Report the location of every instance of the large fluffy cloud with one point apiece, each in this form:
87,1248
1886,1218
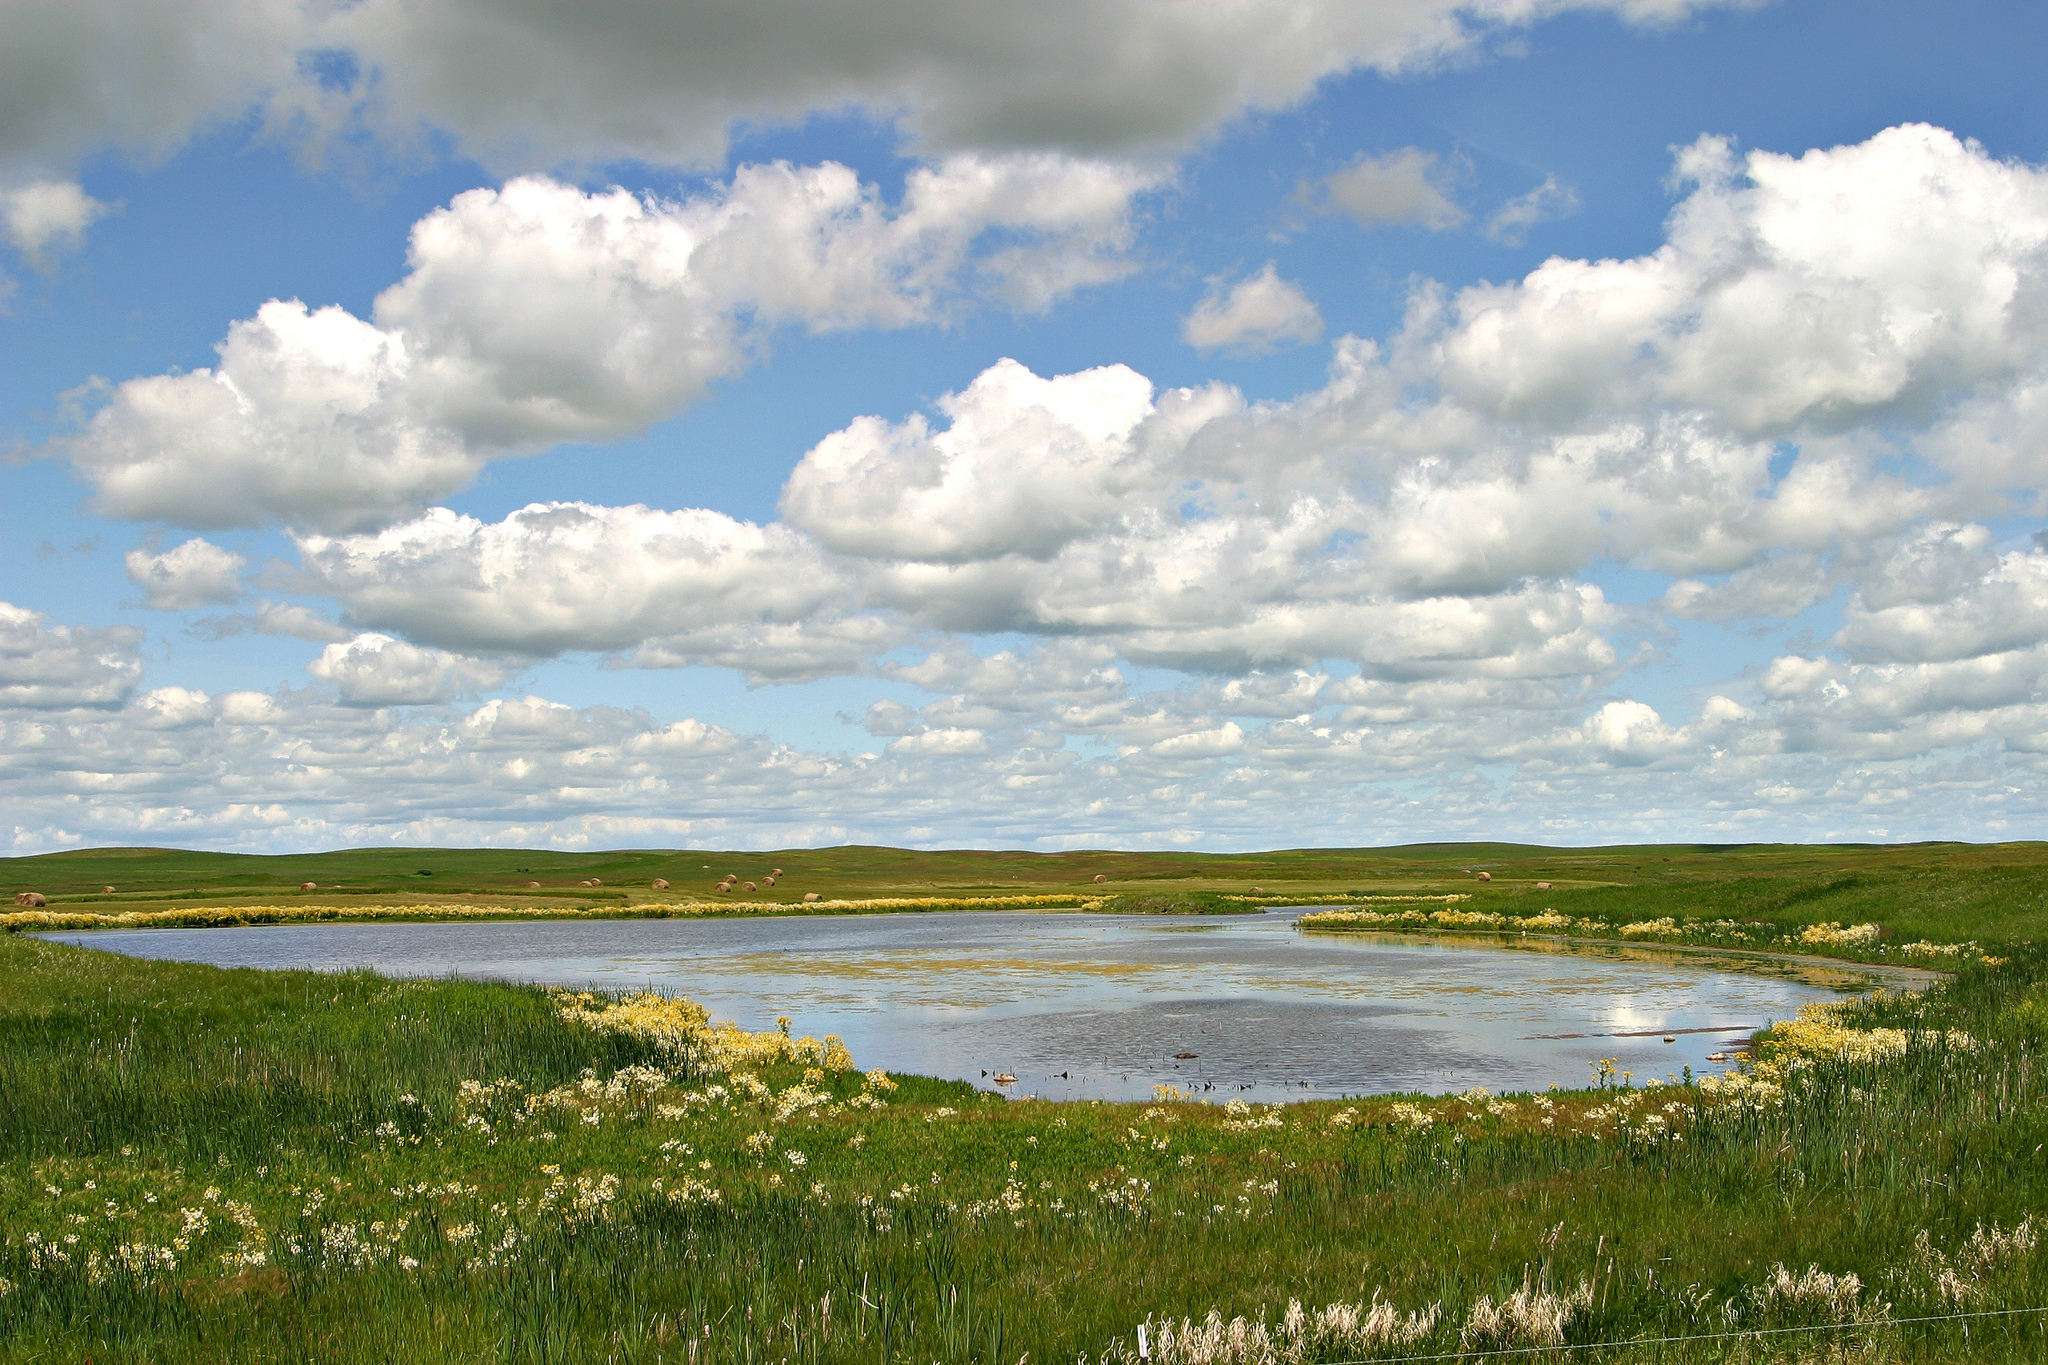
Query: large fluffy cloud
539,313
1024,466
675,588
1828,289
376,670
538,84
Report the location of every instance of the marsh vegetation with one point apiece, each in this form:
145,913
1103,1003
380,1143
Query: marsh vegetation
202,1164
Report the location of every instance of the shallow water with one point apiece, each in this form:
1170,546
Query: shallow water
1101,1006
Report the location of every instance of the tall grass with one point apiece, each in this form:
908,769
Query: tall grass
931,1223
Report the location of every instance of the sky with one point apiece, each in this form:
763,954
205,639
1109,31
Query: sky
1210,424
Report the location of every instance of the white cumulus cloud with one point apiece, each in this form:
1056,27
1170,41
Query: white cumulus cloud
1254,316
555,577
48,217
1834,287
195,574
538,313
376,670
1024,466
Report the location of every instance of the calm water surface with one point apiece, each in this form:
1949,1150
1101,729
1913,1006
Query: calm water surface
1101,1006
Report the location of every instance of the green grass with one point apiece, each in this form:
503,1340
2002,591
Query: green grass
326,1111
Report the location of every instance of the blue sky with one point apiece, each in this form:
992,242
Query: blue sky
1119,424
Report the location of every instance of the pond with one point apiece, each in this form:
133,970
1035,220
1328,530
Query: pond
1107,1006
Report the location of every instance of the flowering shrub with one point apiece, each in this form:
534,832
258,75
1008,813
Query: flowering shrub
683,1029
1834,935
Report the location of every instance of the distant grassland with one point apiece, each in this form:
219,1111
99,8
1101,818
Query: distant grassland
1761,896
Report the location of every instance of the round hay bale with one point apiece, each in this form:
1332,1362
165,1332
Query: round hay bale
810,897
533,886
661,884
309,886
1486,876
1100,879
723,888
106,891
768,881
597,881
586,883
746,886
1258,891
32,899
776,873
1543,886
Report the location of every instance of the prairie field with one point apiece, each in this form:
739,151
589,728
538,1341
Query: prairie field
1934,893
206,1164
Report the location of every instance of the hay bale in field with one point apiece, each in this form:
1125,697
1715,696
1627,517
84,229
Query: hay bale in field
810,897
32,899
1100,879
723,888
776,873
106,891
597,881
1486,876
1543,886
746,886
586,883
309,886
768,881
533,886
1258,891
661,883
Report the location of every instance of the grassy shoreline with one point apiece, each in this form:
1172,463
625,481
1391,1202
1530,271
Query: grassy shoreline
290,1166
1853,902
